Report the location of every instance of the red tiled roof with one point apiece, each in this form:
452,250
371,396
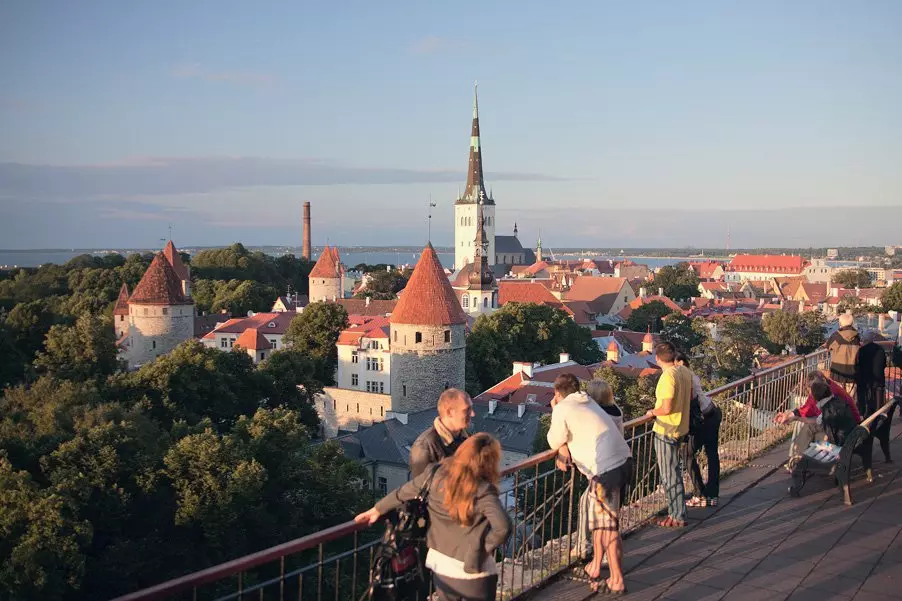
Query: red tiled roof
814,292
428,298
159,286
581,311
327,264
172,255
767,263
373,327
536,267
280,322
526,291
253,339
121,307
358,307
599,292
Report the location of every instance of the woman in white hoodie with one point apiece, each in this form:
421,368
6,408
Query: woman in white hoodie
582,432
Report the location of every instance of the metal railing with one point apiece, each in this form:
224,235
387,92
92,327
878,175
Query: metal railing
333,564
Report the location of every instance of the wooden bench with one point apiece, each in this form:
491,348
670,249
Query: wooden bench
860,441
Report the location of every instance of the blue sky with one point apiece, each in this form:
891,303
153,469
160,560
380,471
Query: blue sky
607,124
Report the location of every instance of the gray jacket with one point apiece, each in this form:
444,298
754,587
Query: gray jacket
429,448
470,544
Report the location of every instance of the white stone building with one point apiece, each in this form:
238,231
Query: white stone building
259,334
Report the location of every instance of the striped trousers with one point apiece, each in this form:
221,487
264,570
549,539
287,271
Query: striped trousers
667,453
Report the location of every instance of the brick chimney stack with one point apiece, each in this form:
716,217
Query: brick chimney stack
305,249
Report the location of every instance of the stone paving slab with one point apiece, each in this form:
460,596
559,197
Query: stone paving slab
761,544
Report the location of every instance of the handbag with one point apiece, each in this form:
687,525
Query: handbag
396,572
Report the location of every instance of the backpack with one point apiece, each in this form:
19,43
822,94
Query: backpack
396,572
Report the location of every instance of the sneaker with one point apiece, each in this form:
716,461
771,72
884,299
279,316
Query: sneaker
697,502
794,492
712,502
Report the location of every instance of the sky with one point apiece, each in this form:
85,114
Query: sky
632,124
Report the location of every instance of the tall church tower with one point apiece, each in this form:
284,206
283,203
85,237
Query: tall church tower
482,289
466,207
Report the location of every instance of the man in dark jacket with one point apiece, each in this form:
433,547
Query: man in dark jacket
871,375
844,345
448,431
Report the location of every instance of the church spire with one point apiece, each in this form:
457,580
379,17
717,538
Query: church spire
481,277
475,179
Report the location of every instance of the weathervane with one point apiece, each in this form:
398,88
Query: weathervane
429,229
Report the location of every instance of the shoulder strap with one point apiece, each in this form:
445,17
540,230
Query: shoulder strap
424,490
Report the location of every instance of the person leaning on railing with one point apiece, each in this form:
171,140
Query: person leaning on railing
671,415
811,429
466,519
582,432
448,431
708,437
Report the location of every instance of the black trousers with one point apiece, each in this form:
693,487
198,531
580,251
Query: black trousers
456,589
708,439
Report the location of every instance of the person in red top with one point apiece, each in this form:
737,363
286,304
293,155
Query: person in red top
809,432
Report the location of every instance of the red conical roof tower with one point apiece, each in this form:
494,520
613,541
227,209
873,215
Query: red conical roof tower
172,255
327,264
121,307
428,298
160,285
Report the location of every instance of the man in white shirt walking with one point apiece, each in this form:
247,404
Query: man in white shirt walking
582,432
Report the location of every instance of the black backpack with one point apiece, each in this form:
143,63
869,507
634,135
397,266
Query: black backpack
396,573
696,419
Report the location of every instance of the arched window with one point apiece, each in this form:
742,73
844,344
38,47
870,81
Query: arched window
485,302
466,302
475,301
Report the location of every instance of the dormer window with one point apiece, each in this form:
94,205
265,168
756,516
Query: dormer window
271,324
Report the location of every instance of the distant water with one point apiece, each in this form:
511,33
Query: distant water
33,258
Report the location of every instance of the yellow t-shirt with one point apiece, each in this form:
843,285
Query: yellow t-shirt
675,383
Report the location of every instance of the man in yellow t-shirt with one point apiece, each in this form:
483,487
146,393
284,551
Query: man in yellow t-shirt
671,415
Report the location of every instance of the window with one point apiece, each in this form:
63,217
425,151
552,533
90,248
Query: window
354,380
122,318
396,335
485,301
262,356
154,343
272,344
223,343
475,301
382,485
354,357
447,335
358,407
381,387
231,342
271,324
418,337
404,390
371,410
145,310
381,411
165,310
466,301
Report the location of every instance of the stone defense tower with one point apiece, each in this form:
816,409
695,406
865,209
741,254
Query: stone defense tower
427,330
305,244
465,208
325,277
160,309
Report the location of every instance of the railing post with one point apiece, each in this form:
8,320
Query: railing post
570,516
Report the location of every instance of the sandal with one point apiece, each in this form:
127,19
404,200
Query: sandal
669,522
604,589
712,502
697,502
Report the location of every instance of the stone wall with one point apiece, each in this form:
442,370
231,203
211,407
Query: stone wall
344,409
421,371
325,288
155,330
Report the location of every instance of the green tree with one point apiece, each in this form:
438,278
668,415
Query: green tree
678,281
685,333
294,383
649,315
385,285
851,278
194,382
634,395
315,331
728,352
892,298
525,332
802,332
40,546
855,305
80,352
